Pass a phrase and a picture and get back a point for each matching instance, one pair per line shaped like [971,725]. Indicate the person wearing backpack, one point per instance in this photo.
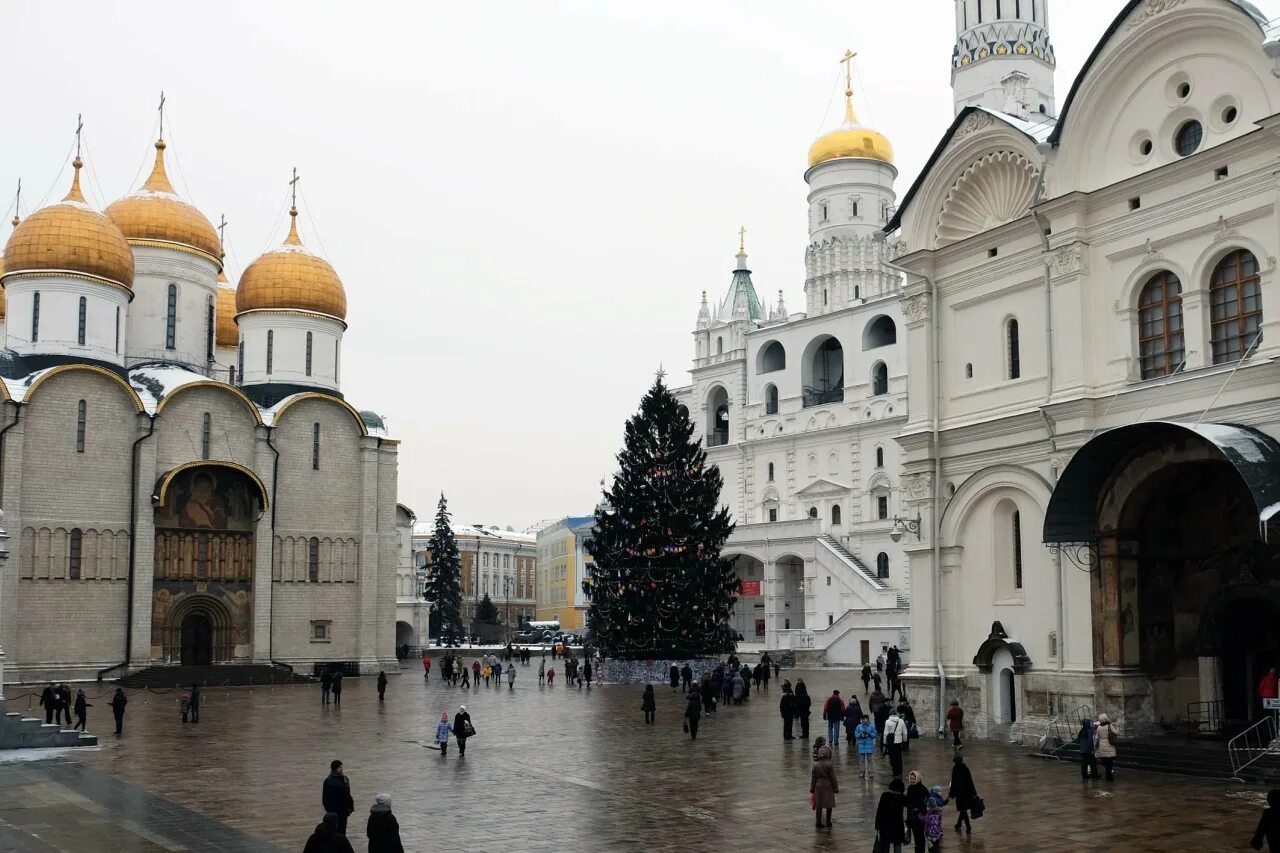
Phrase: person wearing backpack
[895,735]
[1104,745]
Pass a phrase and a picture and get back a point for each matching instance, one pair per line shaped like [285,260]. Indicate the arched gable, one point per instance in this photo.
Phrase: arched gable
[315,395]
[220,386]
[161,490]
[980,484]
[88,368]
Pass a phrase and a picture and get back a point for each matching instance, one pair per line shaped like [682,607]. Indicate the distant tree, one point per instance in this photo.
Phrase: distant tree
[487,612]
[444,585]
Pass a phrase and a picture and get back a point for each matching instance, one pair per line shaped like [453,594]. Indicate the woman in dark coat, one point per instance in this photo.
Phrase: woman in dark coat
[82,710]
[709,694]
[803,709]
[917,805]
[675,677]
[787,708]
[462,729]
[824,786]
[383,829]
[327,838]
[866,678]
[118,702]
[1268,830]
[693,714]
[891,820]
[963,792]
[647,704]
[382,685]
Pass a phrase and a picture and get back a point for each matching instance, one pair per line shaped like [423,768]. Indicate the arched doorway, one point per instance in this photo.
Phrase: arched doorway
[790,573]
[196,640]
[197,631]
[747,618]
[1008,697]
[406,636]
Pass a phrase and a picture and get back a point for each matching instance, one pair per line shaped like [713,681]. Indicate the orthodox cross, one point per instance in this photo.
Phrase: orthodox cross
[222,233]
[161,108]
[742,240]
[79,128]
[847,62]
[17,204]
[293,185]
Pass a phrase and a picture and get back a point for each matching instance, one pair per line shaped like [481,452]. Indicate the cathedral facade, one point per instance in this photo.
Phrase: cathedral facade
[1092,328]
[181,476]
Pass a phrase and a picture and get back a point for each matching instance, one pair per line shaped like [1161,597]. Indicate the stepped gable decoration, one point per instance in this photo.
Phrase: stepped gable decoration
[660,589]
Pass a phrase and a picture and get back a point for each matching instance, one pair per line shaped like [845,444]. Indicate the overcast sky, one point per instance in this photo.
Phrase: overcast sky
[524,199]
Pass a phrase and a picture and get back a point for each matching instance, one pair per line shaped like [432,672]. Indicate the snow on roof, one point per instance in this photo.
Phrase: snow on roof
[426,528]
[157,381]
[1038,126]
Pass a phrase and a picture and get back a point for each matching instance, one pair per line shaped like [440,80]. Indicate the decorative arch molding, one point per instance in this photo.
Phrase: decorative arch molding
[879,480]
[211,608]
[90,368]
[1143,273]
[328,398]
[734,553]
[997,640]
[770,493]
[996,188]
[982,483]
[162,485]
[1224,245]
[221,386]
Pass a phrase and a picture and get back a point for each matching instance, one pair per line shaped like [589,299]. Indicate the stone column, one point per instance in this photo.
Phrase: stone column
[366,622]
[11,570]
[772,598]
[144,551]
[1210,672]
[1107,637]
[264,465]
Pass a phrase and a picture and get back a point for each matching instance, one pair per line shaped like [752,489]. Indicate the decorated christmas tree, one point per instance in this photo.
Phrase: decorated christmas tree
[660,589]
[444,588]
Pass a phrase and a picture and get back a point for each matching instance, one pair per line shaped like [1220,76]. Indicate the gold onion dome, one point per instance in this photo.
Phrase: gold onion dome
[226,334]
[70,237]
[155,214]
[850,139]
[292,279]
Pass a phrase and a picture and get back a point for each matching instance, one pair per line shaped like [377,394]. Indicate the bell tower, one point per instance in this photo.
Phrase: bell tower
[1003,58]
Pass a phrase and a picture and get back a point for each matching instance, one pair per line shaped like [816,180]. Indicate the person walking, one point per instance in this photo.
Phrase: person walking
[426,667]
[336,689]
[963,792]
[443,730]
[739,688]
[336,795]
[184,704]
[382,828]
[63,708]
[764,674]
[1088,757]
[1104,745]
[462,729]
[908,715]
[327,838]
[1268,830]
[895,735]
[586,672]
[708,690]
[648,705]
[466,676]
[955,722]
[823,787]
[49,701]
[686,678]
[875,679]
[804,708]
[118,702]
[787,708]
[542,671]
[693,715]
[511,676]
[917,807]
[326,684]
[82,710]
[382,685]
[833,713]
[195,703]
[865,735]
[852,716]
[674,675]
[866,678]
[880,714]
[891,818]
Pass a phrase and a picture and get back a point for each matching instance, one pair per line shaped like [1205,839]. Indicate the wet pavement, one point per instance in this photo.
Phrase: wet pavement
[551,769]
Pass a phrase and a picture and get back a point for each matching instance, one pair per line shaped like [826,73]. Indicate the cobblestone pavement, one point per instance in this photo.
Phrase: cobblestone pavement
[553,769]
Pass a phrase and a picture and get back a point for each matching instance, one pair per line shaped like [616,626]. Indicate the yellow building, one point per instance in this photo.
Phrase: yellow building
[563,563]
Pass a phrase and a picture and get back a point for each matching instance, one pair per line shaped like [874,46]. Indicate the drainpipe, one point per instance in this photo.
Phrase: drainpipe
[133,548]
[935,391]
[17,416]
[1042,225]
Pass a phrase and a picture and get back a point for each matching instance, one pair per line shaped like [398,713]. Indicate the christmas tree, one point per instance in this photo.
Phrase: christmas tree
[660,589]
[487,612]
[444,589]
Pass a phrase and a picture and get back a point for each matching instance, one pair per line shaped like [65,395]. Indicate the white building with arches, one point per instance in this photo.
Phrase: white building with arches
[800,412]
[182,478]
[1092,336]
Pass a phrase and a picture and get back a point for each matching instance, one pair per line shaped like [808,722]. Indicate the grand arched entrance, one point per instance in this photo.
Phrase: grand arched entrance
[198,631]
[748,615]
[1185,581]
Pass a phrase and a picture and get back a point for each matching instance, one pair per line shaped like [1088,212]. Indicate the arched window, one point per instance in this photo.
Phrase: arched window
[772,358]
[35,317]
[771,400]
[882,566]
[718,411]
[233,375]
[1017,549]
[879,457]
[881,332]
[75,552]
[1014,350]
[313,560]
[1235,305]
[82,320]
[206,435]
[1160,341]
[835,514]
[271,348]
[171,319]
[308,353]
[770,472]
[315,447]
[1007,553]
[813,512]
[239,362]
[82,420]
[719,346]
[208,329]
[879,379]
[824,374]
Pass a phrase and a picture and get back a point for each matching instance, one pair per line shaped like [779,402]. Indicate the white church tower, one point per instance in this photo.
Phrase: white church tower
[1003,58]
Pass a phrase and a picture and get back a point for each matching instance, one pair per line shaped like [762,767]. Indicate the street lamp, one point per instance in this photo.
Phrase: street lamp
[910,525]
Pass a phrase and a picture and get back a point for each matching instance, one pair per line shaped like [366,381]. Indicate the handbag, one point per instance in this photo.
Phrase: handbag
[914,732]
[685,726]
[468,729]
[813,801]
[978,808]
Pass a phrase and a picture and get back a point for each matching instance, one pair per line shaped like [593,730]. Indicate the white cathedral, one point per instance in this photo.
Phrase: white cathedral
[1082,381]
[181,476]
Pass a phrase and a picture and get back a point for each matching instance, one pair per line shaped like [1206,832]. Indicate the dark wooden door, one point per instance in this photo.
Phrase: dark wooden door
[197,641]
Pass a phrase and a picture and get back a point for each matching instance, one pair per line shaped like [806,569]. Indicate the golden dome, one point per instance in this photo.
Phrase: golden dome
[292,279]
[226,333]
[70,237]
[155,213]
[850,139]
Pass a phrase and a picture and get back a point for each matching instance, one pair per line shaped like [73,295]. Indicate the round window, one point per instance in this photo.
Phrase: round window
[1229,115]
[1189,137]
[1184,90]
[1145,147]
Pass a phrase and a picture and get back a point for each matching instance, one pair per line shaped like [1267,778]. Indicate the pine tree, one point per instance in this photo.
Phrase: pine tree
[444,589]
[487,612]
[660,589]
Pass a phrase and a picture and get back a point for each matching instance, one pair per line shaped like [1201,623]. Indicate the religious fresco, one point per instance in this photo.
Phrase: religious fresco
[228,607]
[211,498]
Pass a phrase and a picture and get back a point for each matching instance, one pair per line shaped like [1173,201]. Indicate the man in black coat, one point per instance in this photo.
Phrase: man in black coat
[49,701]
[195,703]
[336,689]
[686,677]
[675,677]
[327,839]
[336,795]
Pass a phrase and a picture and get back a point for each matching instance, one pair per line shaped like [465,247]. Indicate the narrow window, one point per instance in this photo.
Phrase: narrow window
[74,553]
[771,400]
[117,328]
[202,556]
[337,349]
[82,320]
[835,515]
[882,566]
[271,346]
[35,318]
[313,560]
[855,210]
[206,432]
[239,362]
[824,212]
[1034,10]
[882,507]
[999,10]
[770,472]
[824,296]
[773,514]
[879,379]
[82,413]
[233,374]
[209,338]
[171,319]
[315,447]
[1015,357]
[879,457]
[1017,550]
[1161,347]
[308,353]
[979,11]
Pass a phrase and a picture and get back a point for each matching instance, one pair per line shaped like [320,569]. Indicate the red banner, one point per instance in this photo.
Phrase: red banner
[750,588]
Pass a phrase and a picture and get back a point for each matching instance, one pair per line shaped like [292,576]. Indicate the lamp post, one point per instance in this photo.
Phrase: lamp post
[910,525]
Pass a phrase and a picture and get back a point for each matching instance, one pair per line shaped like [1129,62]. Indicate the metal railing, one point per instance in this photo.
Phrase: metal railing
[817,397]
[1064,728]
[1204,718]
[1253,744]
[717,439]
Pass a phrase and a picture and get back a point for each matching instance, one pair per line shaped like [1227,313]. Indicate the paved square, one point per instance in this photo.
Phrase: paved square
[551,769]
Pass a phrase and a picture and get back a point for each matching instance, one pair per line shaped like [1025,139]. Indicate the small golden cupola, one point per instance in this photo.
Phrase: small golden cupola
[850,139]
[291,278]
[226,334]
[69,238]
[154,215]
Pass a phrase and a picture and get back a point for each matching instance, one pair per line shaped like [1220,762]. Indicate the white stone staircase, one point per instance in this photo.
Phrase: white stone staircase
[876,588]
[18,731]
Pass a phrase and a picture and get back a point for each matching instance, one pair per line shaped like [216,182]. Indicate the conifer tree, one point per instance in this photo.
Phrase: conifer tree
[660,588]
[444,588]
[487,612]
